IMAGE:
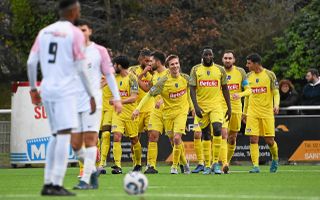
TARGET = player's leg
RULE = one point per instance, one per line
(269, 134)
(216, 146)
(198, 147)
(131, 128)
(118, 126)
(206, 144)
(152, 152)
(253, 130)
(105, 137)
(176, 153)
(223, 149)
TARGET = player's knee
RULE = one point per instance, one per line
(197, 135)
(153, 136)
(269, 141)
(134, 140)
(177, 139)
(232, 139)
(206, 133)
(224, 133)
(217, 128)
(117, 137)
(254, 140)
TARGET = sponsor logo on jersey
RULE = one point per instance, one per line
(208, 83)
(123, 93)
(259, 90)
(174, 95)
(234, 86)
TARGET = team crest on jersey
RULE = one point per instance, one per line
(177, 85)
(257, 80)
(228, 77)
(248, 130)
(158, 79)
(208, 73)
(120, 83)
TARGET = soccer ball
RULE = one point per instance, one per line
(135, 183)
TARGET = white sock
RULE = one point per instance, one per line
(49, 160)
(61, 158)
(80, 154)
(89, 163)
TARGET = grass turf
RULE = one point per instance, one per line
(290, 182)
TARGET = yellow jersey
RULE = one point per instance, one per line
(237, 82)
(127, 85)
(155, 78)
(208, 81)
(175, 94)
(137, 70)
(106, 96)
(260, 102)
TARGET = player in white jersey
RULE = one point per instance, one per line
(59, 49)
(98, 62)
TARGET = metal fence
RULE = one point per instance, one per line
(4, 137)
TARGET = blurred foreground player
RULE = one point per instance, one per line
(98, 62)
(59, 48)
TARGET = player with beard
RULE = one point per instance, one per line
(238, 86)
(206, 81)
(122, 123)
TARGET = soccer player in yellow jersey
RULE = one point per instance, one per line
(259, 109)
(143, 72)
(174, 91)
(206, 81)
(122, 123)
(156, 126)
(238, 86)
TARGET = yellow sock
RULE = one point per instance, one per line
(117, 153)
(216, 143)
(223, 152)
(137, 153)
(105, 146)
(207, 152)
(231, 149)
(152, 154)
(176, 155)
(183, 159)
(274, 151)
(198, 149)
(254, 152)
(80, 167)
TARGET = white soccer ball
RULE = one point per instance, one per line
(135, 183)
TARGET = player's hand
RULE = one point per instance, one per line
(35, 97)
(198, 111)
(158, 104)
(135, 114)
(235, 96)
(244, 118)
(276, 110)
(111, 101)
(103, 82)
(93, 105)
(117, 105)
(228, 115)
(147, 69)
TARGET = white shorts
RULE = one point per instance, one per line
(62, 114)
(89, 122)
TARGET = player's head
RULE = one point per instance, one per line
(173, 63)
(144, 57)
(312, 75)
(69, 9)
(120, 63)
(253, 61)
(228, 59)
(159, 59)
(86, 28)
(207, 56)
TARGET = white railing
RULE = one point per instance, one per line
(301, 108)
(5, 111)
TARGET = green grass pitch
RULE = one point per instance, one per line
(290, 182)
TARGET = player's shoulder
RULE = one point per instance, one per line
(241, 70)
(134, 69)
(196, 67)
(185, 76)
(132, 76)
(270, 73)
(100, 47)
(221, 68)
(249, 74)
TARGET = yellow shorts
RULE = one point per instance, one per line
(210, 117)
(143, 121)
(156, 122)
(176, 125)
(196, 126)
(260, 127)
(234, 124)
(127, 127)
(106, 119)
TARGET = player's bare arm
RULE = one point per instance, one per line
(226, 96)
(197, 109)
